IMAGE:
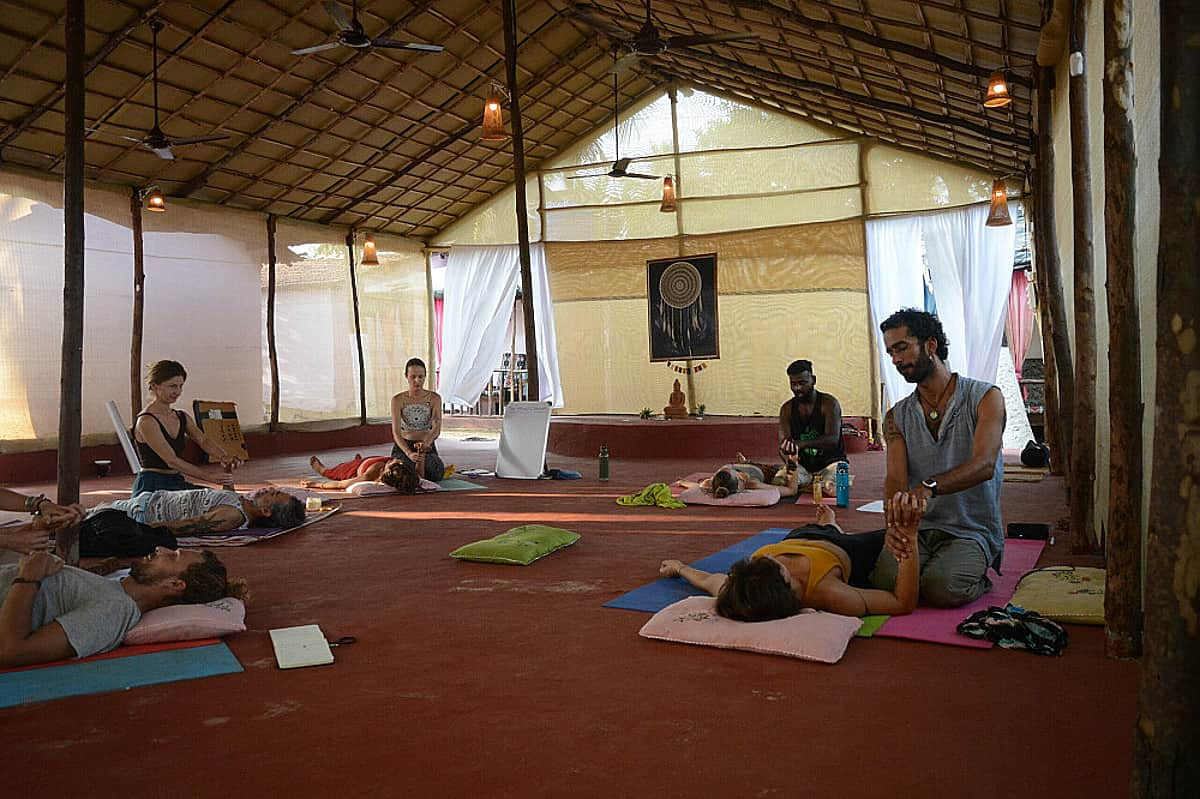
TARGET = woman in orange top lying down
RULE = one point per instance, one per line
(816, 566)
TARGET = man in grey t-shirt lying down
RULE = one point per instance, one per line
(49, 611)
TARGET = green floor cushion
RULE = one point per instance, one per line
(1070, 594)
(519, 546)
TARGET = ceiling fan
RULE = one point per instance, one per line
(157, 141)
(350, 34)
(647, 41)
(620, 167)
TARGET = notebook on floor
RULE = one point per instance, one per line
(296, 647)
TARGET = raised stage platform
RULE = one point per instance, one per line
(717, 437)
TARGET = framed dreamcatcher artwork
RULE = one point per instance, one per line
(682, 297)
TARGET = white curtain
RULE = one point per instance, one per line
(895, 281)
(549, 380)
(481, 284)
(971, 266)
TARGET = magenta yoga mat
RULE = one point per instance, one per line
(937, 625)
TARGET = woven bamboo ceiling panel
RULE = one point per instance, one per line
(388, 139)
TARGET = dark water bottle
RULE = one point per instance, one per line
(843, 485)
(604, 463)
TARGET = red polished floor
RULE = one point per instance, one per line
(482, 680)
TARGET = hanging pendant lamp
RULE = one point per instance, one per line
(155, 201)
(668, 196)
(998, 212)
(997, 91)
(369, 257)
(493, 117)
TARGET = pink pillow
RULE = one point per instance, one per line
(189, 622)
(811, 635)
(767, 495)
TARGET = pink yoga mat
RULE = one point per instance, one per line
(937, 624)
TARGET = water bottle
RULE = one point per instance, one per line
(604, 463)
(843, 485)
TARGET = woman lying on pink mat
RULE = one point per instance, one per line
(816, 566)
(380, 469)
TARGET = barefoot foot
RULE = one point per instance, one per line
(825, 515)
(316, 465)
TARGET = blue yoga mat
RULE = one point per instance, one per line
(662, 592)
(115, 674)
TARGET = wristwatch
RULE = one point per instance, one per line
(931, 484)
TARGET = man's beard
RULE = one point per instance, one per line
(139, 571)
(920, 370)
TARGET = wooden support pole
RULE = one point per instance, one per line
(673, 94)
(272, 353)
(136, 392)
(70, 420)
(509, 8)
(1123, 544)
(362, 367)
(1048, 262)
(1165, 764)
(1082, 488)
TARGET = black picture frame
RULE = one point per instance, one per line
(683, 332)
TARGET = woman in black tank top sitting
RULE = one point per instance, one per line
(160, 432)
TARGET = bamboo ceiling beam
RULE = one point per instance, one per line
(190, 38)
(858, 99)
(928, 140)
(17, 127)
(199, 180)
(921, 54)
(449, 140)
(480, 74)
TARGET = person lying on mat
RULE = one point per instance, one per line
(416, 424)
(160, 433)
(201, 510)
(45, 518)
(398, 474)
(815, 566)
(197, 511)
(743, 475)
(943, 447)
(50, 611)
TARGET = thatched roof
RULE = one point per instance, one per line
(388, 139)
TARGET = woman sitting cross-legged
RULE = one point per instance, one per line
(398, 474)
(416, 424)
(816, 566)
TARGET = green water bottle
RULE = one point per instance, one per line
(604, 463)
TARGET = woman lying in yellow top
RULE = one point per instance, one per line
(817, 568)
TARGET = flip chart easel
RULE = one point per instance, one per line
(522, 452)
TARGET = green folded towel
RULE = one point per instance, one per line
(654, 494)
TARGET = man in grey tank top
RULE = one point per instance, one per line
(943, 447)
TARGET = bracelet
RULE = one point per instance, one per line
(32, 503)
(27, 581)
